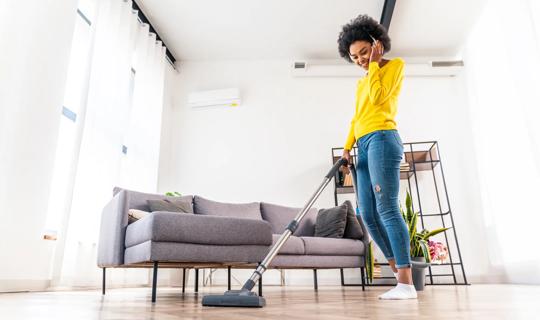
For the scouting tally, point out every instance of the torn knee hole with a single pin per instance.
(377, 188)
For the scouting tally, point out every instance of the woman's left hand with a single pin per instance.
(377, 51)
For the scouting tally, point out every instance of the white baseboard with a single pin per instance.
(23, 285)
(485, 279)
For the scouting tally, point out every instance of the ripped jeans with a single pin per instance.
(377, 171)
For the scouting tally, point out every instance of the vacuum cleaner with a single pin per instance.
(245, 297)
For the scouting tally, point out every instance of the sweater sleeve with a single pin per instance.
(382, 87)
(350, 138)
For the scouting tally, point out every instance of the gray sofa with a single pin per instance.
(217, 235)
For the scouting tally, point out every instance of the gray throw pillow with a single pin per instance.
(331, 222)
(171, 205)
(353, 229)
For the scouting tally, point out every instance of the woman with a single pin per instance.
(363, 42)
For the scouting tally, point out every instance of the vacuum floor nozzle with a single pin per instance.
(234, 298)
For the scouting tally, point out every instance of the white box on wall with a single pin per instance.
(215, 98)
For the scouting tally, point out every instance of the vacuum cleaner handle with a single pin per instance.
(335, 168)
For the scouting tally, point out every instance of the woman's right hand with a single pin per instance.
(347, 156)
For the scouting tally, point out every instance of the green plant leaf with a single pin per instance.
(425, 250)
(403, 213)
(408, 206)
(414, 251)
(434, 232)
(412, 225)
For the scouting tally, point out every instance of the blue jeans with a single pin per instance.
(377, 171)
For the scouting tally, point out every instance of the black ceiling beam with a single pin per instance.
(387, 12)
(144, 19)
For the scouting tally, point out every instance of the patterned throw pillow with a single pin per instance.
(170, 205)
(134, 215)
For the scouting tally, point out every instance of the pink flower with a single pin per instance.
(437, 251)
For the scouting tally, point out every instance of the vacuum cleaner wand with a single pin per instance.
(246, 298)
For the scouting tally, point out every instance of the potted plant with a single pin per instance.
(423, 251)
(421, 247)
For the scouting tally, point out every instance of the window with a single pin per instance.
(70, 123)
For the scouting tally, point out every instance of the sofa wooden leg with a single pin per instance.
(103, 282)
(342, 278)
(229, 278)
(315, 284)
(260, 286)
(183, 280)
(362, 270)
(154, 281)
(196, 280)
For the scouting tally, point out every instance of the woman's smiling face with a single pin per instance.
(360, 52)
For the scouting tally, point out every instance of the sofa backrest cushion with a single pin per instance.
(238, 210)
(280, 216)
(138, 200)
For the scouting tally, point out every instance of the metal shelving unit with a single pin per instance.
(425, 171)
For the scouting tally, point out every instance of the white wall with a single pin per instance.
(275, 147)
(35, 40)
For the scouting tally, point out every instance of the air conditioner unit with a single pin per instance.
(332, 69)
(215, 98)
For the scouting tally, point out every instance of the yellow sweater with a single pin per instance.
(376, 100)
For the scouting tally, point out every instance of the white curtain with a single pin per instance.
(35, 41)
(123, 112)
(503, 77)
(139, 168)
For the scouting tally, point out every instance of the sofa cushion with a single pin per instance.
(353, 229)
(280, 216)
(332, 246)
(239, 210)
(331, 222)
(190, 252)
(294, 245)
(198, 229)
(138, 200)
(171, 205)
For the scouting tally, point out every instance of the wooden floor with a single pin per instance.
(286, 303)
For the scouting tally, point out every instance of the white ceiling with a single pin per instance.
(432, 27)
(302, 29)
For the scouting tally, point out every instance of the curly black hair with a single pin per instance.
(362, 28)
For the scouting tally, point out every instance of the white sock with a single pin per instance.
(396, 275)
(400, 292)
